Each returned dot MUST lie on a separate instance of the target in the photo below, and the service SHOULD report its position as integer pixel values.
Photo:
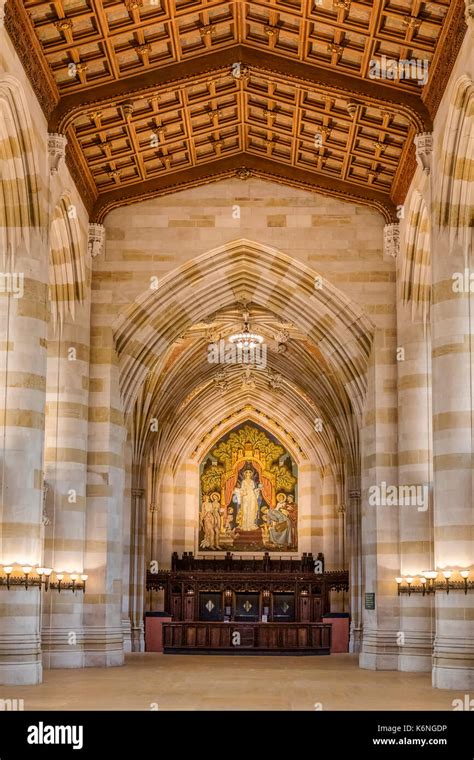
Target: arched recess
(456, 204)
(416, 265)
(165, 379)
(20, 184)
(67, 277)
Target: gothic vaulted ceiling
(157, 95)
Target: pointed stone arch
(20, 184)
(267, 277)
(67, 275)
(456, 202)
(416, 264)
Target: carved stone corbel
(391, 240)
(424, 150)
(56, 150)
(96, 242)
(469, 13)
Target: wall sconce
(428, 583)
(41, 579)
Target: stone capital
(96, 242)
(391, 240)
(424, 150)
(354, 494)
(56, 150)
(138, 493)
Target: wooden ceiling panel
(148, 90)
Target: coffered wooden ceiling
(158, 95)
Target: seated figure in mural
(247, 499)
(281, 526)
(210, 523)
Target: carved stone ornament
(56, 151)
(96, 242)
(424, 150)
(45, 517)
(391, 240)
(469, 13)
(275, 381)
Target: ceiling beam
(376, 92)
(264, 168)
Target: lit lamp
(447, 574)
(409, 581)
(430, 576)
(47, 574)
(8, 569)
(464, 575)
(84, 577)
(27, 570)
(74, 577)
(59, 577)
(422, 580)
(399, 582)
(246, 340)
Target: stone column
(137, 568)
(453, 436)
(415, 470)
(380, 521)
(105, 492)
(330, 518)
(354, 551)
(23, 330)
(66, 478)
(103, 645)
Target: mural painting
(248, 494)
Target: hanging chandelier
(246, 339)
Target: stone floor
(196, 682)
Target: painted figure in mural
(247, 499)
(291, 509)
(281, 527)
(210, 524)
(216, 503)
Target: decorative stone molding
(56, 151)
(221, 381)
(391, 240)
(424, 150)
(243, 173)
(275, 381)
(45, 517)
(469, 13)
(96, 242)
(355, 494)
(281, 338)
